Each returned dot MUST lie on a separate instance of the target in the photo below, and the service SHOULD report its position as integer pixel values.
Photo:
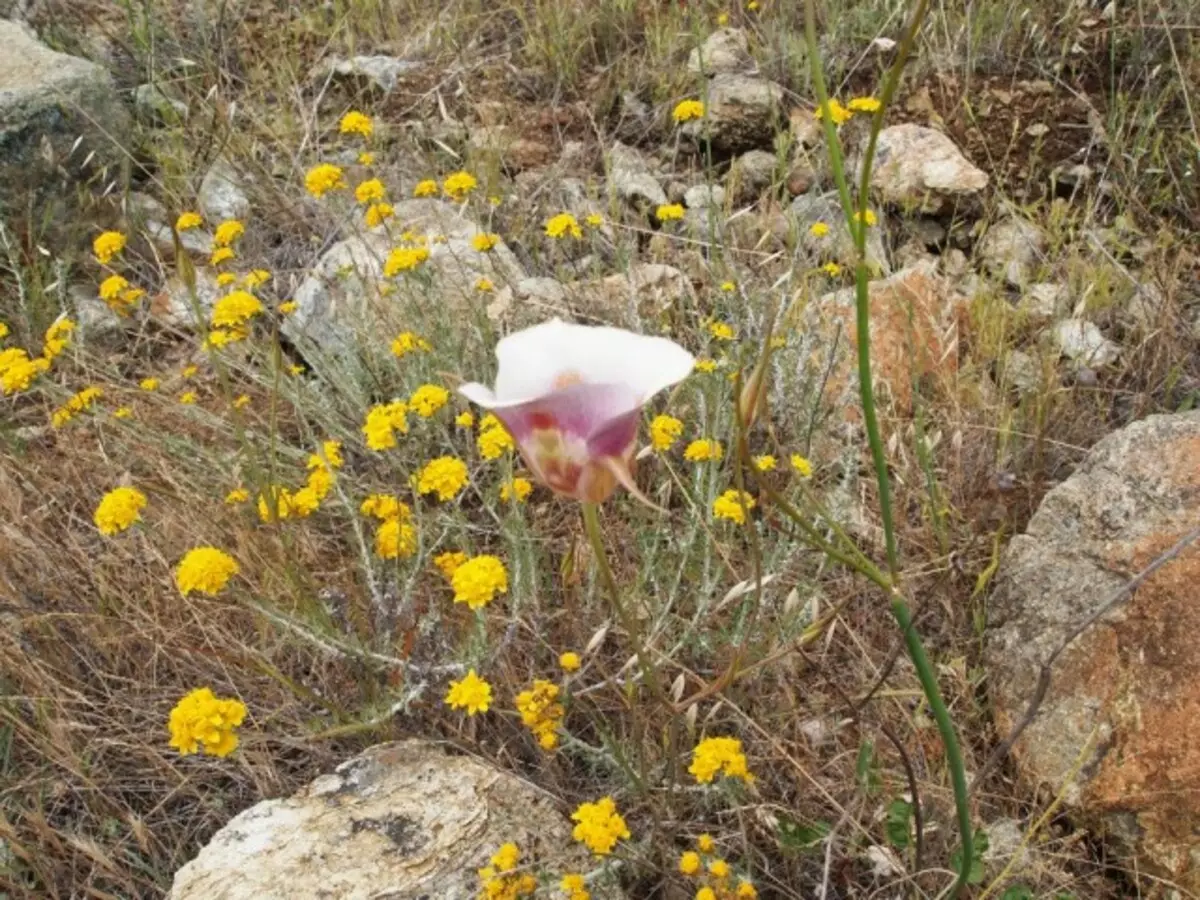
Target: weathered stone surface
(914, 335)
(402, 820)
(151, 217)
(502, 146)
(631, 179)
(702, 196)
(838, 245)
(340, 305)
(176, 306)
(48, 101)
(741, 112)
(222, 193)
(381, 73)
(918, 168)
(1123, 707)
(1013, 249)
(154, 106)
(725, 50)
(750, 174)
(1082, 342)
(1045, 301)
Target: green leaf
(1017, 892)
(865, 768)
(975, 875)
(899, 816)
(794, 836)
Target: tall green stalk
(856, 216)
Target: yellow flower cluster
(563, 225)
(17, 370)
(687, 110)
(406, 342)
(765, 463)
(428, 399)
(668, 212)
(542, 712)
(575, 887)
(444, 476)
(840, 115)
(802, 466)
(107, 245)
(733, 505)
(188, 221)
(704, 450)
(477, 581)
(206, 570)
(569, 661)
(494, 440)
(470, 693)
(383, 421)
(426, 188)
(120, 297)
(516, 490)
(721, 331)
(458, 185)
(404, 259)
(227, 233)
(664, 432)
(279, 503)
(323, 178)
(483, 241)
(599, 826)
(355, 122)
(202, 722)
(118, 510)
(719, 755)
(501, 881)
(449, 562)
(716, 877)
(395, 538)
(77, 403)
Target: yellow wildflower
(384, 507)
(224, 279)
(228, 232)
(599, 826)
(832, 269)
(378, 213)
(449, 562)
(484, 241)
(719, 755)
(395, 539)
(838, 114)
(444, 476)
(366, 158)
(3, 331)
(187, 221)
(706, 893)
(355, 122)
(426, 188)
(123, 412)
(458, 185)
(493, 442)
(205, 569)
(323, 178)
(111, 287)
(404, 259)
(541, 712)
(563, 225)
(474, 695)
(721, 331)
(237, 495)
(256, 278)
(108, 245)
(703, 450)
(864, 104)
(706, 365)
(574, 886)
(733, 505)
(118, 510)
(687, 110)
(668, 212)
(706, 844)
(870, 217)
(241, 401)
(235, 308)
(765, 463)
(382, 423)
(689, 862)
(728, 287)
(287, 307)
(569, 661)
(406, 342)
(464, 419)
(148, 384)
(746, 891)
(187, 398)
(722, 19)
(517, 489)
(477, 581)
(718, 868)
(203, 722)
(802, 466)
(77, 403)
(664, 432)
(370, 191)
(818, 229)
(595, 220)
(220, 255)
(57, 337)
(428, 399)
(484, 286)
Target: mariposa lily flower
(572, 396)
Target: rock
(401, 820)
(175, 307)
(155, 107)
(93, 317)
(1044, 302)
(725, 50)
(914, 335)
(806, 128)
(751, 174)
(920, 169)
(1013, 249)
(631, 179)
(339, 304)
(1021, 372)
(808, 209)
(151, 217)
(60, 117)
(1116, 731)
(500, 145)
(380, 73)
(800, 178)
(221, 193)
(1006, 840)
(1081, 342)
(741, 112)
(704, 196)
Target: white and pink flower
(572, 396)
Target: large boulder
(920, 169)
(742, 112)
(725, 50)
(402, 820)
(60, 122)
(346, 302)
(1116, 731)
(1013, 249)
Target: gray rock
(741, 112)
(1045, 302)
(93, 317)
(1013, 249)
(725, 50)
(382, 73)
(918, 168)
(838, 245)
(704, 196)
(176, 306)
(1021, 372)
(407, 819)
(155, 107)
(1081, 342)
(340, 307)
(750, 174)
(61, 122)
(631, 179)
(1116, 731)
(222, 195)
(1005, 841)
(151, 217)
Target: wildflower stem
(857, 222)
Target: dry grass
(333, 651)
